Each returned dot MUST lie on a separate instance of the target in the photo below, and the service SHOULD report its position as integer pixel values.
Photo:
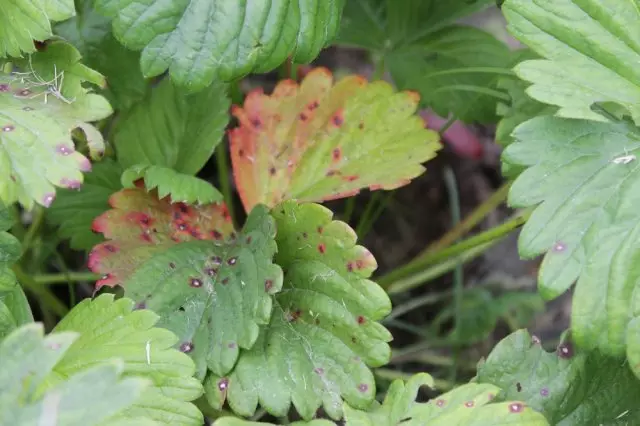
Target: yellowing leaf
(319, 141)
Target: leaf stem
(38, 218)
(46, 297)
(65, 277)
(378, 72)
(223, 178)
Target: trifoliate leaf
(111, 329)
(320, 141)
(323, 335)
(75, 210)
(591, 50)
(23, 21)
(520, 107)
(570, 387)
(57, 66)
(226, 39)
(36, 150)
(182, 188)
(454, 68)
(91, 34)
(212, 294)
(582, 176)
(140, 225)
(234, 421)
(172, 129)
(468, 405)
(89, 397)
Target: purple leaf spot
(223, 384)
(140, 305)
(559, 247)
(319, 371)
(4, 87)
(210, 271)
(232, 345)
(565, 350)
(516, 407)
(440, 402)
(469, 404)
(535, 340)
(268, 285)
(225, 281)
(216, 260)
(232, 261)
(544, 392)
(23, 92)
(48, 199)
(70, 183)
(363, 387)
(186, 347)
(64, 149)
(8, 128)
(195, 282)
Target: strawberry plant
(193, 181)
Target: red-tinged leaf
(319, 141)
(140, 225)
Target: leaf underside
(591, 50)
(111, 329)
(89, 397)
(319, 141)
(323, 335)
(582, 176)
(209, 286)
(199, 41)
(569, 386)
(35, 135)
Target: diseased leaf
(570, 386)
(88, 397)
(591, 50)
(212, 294)
(57, 66)
(234, 421)
(320, 141)
(23, 21)
(468, 405)
(226, 39)
(182, 188)
(75, 210)
(323, 335)
(454, 68)
(35, 135)
(14, 310)
(111, 329)
(91, 34)
(10, 250)
(582, 176)
(171, 129)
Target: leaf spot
(336, 154)
(337, 119)
(363, 387)
(172, 265)
(469, 404)
(195, 282)
(232, 261)
(23, 92)
(64, 149)
(440, 402)
(535, 340)
(518, 387)
(559, 247)
(232, 345)
(322, 248)
(303, 116)
(186, 347)
(217, 260)
(565, 350)
(319, 371)
(211, 272)
(225, 281)
(544, 391)
(223, 384)
(268, 285)
(48, 199)
(8, 128)
(110, 248)
(516, 407)
(140, 305)
(4, 87)
(361, 320)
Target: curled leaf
(319, 141)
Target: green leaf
(91, 34)
(74, 210)
(112, 329)
(172, 129)
(454, 68)
(227, 39)
(89, 397)
(234, 421)
(323, 335)
(212, 294)
(582, 176)
(182, 188)
(57, 66)
(10, 251)
(520, 106)
(35, 135)
(591, 51)
(23, 21)
(467, 405)
(320, 141)
(570, 386)
(14, 310)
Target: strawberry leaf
(111, 329)
(323, 335)
(182, 188)
(91, 34)
(234, 421)
(35, 134)
(212, 294)
(320, 141)
(454, 68)
(171, 129)
(88, 397)
(467, 405)
(75, 210)
(570, 386)
(14, 310)
(23, 21)
(226, 39)
(581, 176)
(591, 53)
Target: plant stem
(389, 374)
(487, 236)
(480, 212)
(378, 72)
(363, 224)
(38, 218)
(349, 207)
(458, 278)
(47, 299)
(446, 126)
(65, 277)
(415, 303)
(223, 178)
